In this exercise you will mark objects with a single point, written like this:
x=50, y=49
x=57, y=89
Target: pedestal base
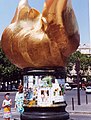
x=49, y=102
x=45, y=113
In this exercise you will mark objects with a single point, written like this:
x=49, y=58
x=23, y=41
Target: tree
x=85, y=60
x=8, y=71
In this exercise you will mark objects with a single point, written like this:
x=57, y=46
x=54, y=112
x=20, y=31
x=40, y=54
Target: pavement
x=15, y=114
x=79, y=109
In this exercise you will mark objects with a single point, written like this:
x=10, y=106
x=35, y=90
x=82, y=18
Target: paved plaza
x=15, y=115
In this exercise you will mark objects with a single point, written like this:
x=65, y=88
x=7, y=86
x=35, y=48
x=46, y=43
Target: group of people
x=7, y=103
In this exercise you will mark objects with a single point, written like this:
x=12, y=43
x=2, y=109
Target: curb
x=16, y=119
x=86, y=113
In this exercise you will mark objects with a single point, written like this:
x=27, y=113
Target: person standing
x=19, y=99
x=7, y=107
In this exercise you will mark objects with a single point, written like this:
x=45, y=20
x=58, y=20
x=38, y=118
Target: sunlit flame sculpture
x=41, y=40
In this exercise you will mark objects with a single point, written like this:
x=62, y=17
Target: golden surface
x=41, y=40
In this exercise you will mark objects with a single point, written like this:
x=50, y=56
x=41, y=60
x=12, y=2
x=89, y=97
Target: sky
x=8, y=7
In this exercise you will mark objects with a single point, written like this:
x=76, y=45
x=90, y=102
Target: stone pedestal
x=45, y=113
x=54, y=110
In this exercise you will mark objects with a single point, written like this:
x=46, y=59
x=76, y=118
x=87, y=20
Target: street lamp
x=78, y=79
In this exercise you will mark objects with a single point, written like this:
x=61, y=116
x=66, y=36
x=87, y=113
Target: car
x=67, y=86
x=88, y=89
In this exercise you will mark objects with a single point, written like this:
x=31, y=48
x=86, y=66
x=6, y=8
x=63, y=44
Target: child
x=7, y=107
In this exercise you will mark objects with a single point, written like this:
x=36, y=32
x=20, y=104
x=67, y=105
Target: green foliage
x=8, y=71
x=85, y=60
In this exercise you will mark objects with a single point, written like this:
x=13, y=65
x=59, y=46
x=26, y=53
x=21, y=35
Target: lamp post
x=78, y=79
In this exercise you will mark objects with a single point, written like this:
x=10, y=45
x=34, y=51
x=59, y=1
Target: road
x=68, y=96
x=73, y=94
x=80, y=117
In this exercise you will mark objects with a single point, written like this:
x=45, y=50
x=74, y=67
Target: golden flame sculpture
x=41, y=40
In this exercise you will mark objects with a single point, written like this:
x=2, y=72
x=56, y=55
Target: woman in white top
x=19, y=99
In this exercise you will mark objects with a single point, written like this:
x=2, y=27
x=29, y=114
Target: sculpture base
x=45, y=113
x=54, y=107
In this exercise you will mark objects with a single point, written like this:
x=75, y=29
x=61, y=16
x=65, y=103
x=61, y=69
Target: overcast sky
x=8, y=7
